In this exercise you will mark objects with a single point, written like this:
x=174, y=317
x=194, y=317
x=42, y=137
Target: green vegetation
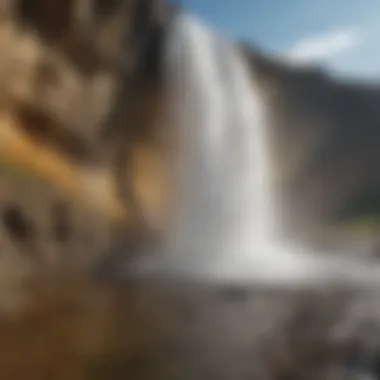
x=363, y=224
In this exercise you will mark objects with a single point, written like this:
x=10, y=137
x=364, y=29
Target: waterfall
x=226, y=223
x=225, y=205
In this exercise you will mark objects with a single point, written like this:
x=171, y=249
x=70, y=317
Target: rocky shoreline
x=150, y=329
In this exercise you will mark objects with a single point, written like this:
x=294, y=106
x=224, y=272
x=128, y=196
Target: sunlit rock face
x=64, y=71
x=325, y=135
x=80, y=83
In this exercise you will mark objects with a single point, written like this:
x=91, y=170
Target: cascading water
x=226, y=207
x=226, y=221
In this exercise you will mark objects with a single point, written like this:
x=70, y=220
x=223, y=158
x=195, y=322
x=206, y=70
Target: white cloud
x=325, y=46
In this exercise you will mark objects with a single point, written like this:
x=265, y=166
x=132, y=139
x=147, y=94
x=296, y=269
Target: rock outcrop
x=325, y=136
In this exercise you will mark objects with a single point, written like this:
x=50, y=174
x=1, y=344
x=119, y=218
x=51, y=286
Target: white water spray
x=224, y=201
x=226, y=222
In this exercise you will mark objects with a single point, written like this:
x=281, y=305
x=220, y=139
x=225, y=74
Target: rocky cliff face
x=326, y=137
x=64, y=70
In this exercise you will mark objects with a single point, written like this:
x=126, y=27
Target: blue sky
x=344, y=34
